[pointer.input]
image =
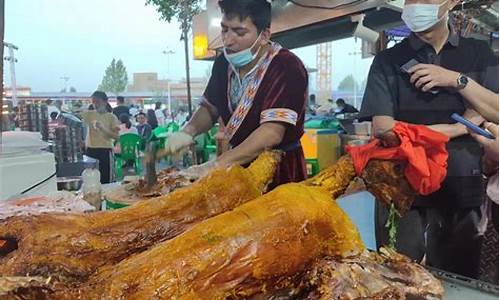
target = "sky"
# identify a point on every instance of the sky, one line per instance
(78, 39)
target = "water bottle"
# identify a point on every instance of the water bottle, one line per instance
(91, 187)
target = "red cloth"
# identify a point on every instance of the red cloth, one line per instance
(424, 149)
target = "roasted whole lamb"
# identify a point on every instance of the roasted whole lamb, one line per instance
(226, 247)
(69, 247)
(238, 253)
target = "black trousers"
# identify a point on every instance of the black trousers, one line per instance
(447, 237)
(105, 158)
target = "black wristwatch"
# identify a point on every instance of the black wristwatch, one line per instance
(462, 81)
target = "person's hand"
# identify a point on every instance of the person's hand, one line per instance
(98, 125)
(473, 116)
(427, 76)
(389, 139)
(177, 142)
(198, 171)
(490, 146)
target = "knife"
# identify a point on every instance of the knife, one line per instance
(150, 175)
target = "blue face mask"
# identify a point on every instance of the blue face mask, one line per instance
(243, 57)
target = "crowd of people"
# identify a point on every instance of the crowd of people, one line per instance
(341, 107)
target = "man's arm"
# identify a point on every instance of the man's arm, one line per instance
(382, 126)
(483, 100)
(202, 121)
(266, 136)
(113, 133)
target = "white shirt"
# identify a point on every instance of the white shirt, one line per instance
(160, 117)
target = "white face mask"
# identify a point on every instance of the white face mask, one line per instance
(420, 17)
(243, 57)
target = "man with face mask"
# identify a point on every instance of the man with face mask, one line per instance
(259, 91)
(102, 129)
(424, 80)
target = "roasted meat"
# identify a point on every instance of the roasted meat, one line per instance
(70, 247)
(387, 182)
(135, 191)
(380, 276)
(257, 246)
(261, 245)
(167, 181)
(243, 247)
(384, 179)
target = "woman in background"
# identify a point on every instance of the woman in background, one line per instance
(152, 120)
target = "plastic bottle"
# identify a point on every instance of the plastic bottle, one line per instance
(91, 187)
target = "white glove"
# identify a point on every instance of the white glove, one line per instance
(178, 142)
(197, 171)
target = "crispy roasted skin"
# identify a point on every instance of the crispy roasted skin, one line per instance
(69, 247)
(380, 276)
(262, 245)
(238, 253)
(336, 178)
(387, 182)
(384, 179)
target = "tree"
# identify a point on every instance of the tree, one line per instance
(184, 11)
(72, 89)
(115, 78)
(348, 84)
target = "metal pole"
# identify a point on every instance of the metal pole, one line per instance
(2, 27)
(12, 60)
(169, 97)
(185, 32)
(355, 102)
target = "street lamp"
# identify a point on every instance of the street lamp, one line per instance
(168, 52)
(355, 88)
(12, 60)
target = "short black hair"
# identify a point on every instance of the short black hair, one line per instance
(340, 101)
(53, 115)
(259, 11)
(120, 99)
(158, 105)
(140, 114)
(100, 95)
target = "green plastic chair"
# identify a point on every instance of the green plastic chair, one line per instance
(159, 136)
(129, 144)
(172, 127)
(210, 144)
(160, 140)
(312, 166)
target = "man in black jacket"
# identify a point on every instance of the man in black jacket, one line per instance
(423, 80)
(121, 108)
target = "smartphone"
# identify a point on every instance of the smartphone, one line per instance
(407, 66)
(406, 69)
(472, 126)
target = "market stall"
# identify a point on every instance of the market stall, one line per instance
(224, 235)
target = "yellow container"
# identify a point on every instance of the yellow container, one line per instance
(309, 143)
(322, 145)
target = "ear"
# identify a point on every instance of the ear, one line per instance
(452, 4)
(265, 36)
